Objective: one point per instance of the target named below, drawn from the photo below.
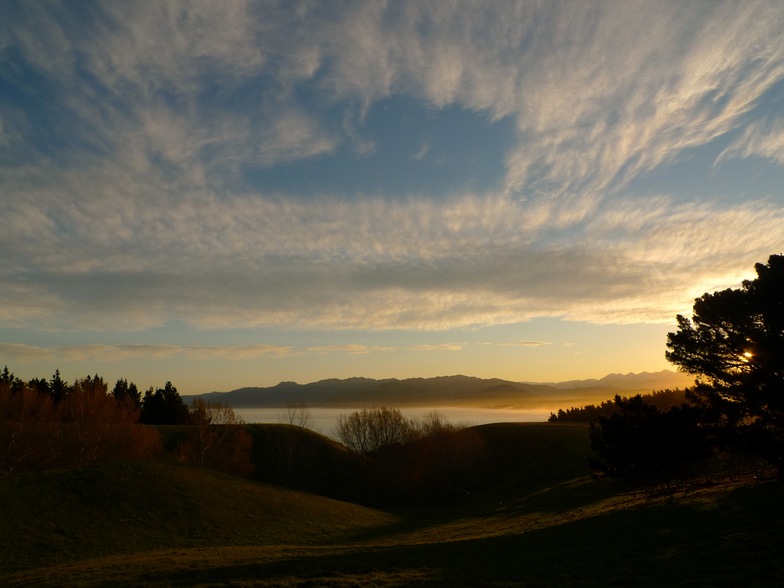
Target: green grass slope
(527, 457)
(532, 518)
(66, 515)
(729, 538)
(302, 459)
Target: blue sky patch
(416, 150)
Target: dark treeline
(161, 406)
(660, 399)
(662, 437)
(51, 423)
(639, 440)
(734, 345)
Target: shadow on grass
(729, 540)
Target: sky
(228, 194)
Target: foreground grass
(554, 528)
(124, 508)
(719, 538)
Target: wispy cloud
(600, 92)
(761, 139)
(350, 348)
(373, 264)
(97, 352)
(424, 149)
(149, 216)
(439, 347)
(594, 105)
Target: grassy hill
(121, 508)
(302, 459)
(530, 517)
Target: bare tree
(352, 430)
(28, 429)
(217, 439)
(85, 426)
(369, 429)
(297, 415)
(434, 423)
(97, 426)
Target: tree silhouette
(217, 439)
(125, 392)
(734, 344)
(96, 422)
(58, 387)
(14, 384)
(165, 406)
(85, 426)
(366, 430)
(297, 415)
(41, 386)
(639, 441)
(29, 431)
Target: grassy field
(532, 518)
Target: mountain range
(455, 390)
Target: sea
(325, 419)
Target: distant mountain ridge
(662, 379)
(457, 390)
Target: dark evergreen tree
(661, 399)
(164, 407)
(91, 386)
(125, 392)
(14, 384)
(640, 441)
(40, 385)
(734, 344)
(58, 387)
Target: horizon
(457, 404)
(446, 376)
(242, 196)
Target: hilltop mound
(299, 458)
(113, 508)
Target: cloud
(350, 348)
(5, 135)
(18, 351)
(147, 216)
(373, 264)
(639, 93)
(439, 347)
(182, 89)
(527, 343)
(23, 353)
(292, 136)
(422, 152)
(600, 92)
(760, 139)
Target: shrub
(639, 441)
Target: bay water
(324, 419)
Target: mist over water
(324, 419)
